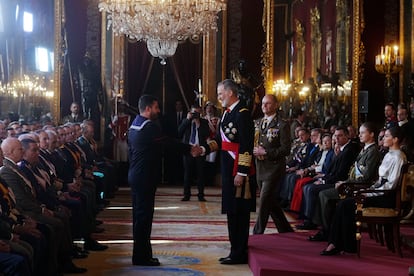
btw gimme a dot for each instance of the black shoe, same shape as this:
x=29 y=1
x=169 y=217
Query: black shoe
x=320 y=236
x=201 y=198
x=93 y=245
x=98 y=222
x=150 y=262
x=186 y=198
x=223 y=258
x=332 y=252
x=307 y=226
x=231 y=261
x=71 y=268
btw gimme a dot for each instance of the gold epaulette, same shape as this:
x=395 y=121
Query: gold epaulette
x=243 y=109
x=245 y=159
x=213 y=145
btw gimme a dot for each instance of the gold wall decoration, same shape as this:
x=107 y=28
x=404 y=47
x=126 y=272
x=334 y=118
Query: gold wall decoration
x=355 y=54
x=300 y=50
x=358 y=56
x=267 y=54
x=342 y=39
x=316 y=38
x=58 y=55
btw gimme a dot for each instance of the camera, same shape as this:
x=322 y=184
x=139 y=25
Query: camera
x=195 y=115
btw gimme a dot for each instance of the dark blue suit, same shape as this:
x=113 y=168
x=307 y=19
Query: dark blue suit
x=194 y=164
x=145 y=145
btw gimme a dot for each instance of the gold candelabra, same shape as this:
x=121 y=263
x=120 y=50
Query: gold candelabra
x=388 y=62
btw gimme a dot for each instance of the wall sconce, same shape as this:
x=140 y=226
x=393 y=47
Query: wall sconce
x=388 y=62
x=326 y=89
x=280 y=89
x=304 y=92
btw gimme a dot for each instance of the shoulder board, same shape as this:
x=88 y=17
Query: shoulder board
x=243 y=109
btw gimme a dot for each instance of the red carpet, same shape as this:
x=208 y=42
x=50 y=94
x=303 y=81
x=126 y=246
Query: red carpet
x=291 y=254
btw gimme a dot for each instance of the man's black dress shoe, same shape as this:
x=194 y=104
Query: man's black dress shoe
x=332 y=252
x=201 y=198
x=150 y=262
x=307 y=226
x=186 y=198
x=318 y=237
x=224 y=258
x=93 y=245
x=230 y=261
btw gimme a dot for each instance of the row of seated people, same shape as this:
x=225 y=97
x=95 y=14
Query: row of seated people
x=319 y=167
x=50 y=194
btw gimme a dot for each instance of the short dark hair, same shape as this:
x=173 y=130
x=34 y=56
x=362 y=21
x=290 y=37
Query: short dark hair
x=146 y=100
x=391 y=104
x=26 y=143
x=344 y=129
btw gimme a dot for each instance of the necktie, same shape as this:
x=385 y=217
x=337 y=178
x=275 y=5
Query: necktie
x=264 y=124
x=193 y=133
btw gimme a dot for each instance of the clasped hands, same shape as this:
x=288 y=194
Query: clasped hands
x=196 y=151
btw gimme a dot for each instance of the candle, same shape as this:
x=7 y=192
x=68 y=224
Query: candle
x=199 y=86
x=397 y=60
x=382 y=50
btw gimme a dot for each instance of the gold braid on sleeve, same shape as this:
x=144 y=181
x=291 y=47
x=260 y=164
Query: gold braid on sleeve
x=245 y=159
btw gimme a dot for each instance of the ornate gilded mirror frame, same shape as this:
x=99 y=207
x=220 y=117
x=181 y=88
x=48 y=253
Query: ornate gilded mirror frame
x=358 y=52
x=358 y=56
x=59 y=19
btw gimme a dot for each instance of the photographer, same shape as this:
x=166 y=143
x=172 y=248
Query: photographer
x=194 y=130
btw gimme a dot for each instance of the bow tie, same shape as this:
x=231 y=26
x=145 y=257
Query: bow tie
x=228 y=110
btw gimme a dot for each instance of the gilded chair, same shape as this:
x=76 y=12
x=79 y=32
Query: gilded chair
x=382 y=221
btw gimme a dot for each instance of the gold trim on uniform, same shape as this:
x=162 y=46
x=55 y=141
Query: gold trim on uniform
x=243 y=109
x=245 y=159
x=213 y=145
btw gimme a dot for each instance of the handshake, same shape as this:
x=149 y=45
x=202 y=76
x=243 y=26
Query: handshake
x=197 y=150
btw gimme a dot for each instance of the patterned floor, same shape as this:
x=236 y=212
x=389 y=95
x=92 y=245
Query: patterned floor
x=187 y=237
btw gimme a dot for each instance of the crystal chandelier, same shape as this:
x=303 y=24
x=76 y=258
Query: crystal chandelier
x=162 y=23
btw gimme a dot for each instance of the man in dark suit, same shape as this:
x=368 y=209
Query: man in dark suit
x=75 y=115
x=272 y=145
x=194 y=130
x=337 y=171
x=238 y=187
x=145 y=145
